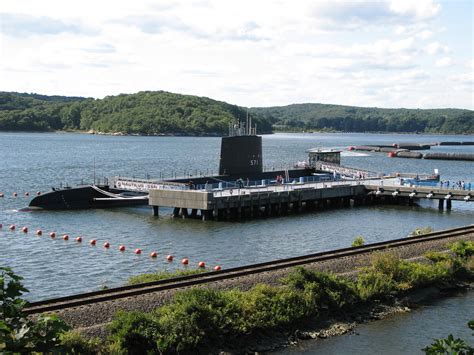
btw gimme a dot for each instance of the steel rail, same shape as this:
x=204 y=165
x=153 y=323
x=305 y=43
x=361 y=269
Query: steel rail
x=214 y=276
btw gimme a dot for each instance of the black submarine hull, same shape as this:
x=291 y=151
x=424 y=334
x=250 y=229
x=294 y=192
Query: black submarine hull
x=81 y=197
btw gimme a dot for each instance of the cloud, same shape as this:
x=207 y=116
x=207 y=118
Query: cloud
x=101 y=48
x=444 y=62
x=153 y=24
x=436 y=48
x=19 y=25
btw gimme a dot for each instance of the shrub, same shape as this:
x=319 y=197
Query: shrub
x=325 y=290
x=421 y=231
x=74 y=343
x=389 y=264
x=436 y=256
x=373 y=284
x=133 y=331
x=17 y=332
x=463 y=249
x=358 y=241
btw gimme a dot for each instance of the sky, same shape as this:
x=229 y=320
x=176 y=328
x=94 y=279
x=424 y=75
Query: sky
x=383 y=53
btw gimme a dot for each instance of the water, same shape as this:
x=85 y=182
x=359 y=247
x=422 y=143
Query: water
x=405 y=333
x=36 y=162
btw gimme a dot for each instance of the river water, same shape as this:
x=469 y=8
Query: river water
x=31 y=162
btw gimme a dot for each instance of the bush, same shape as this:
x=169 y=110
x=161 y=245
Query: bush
x=358 y=241
x=463 y=249
x=372 y=284
x=17 y=332
x=74 y=343
x=389 y=264
x=325 y=290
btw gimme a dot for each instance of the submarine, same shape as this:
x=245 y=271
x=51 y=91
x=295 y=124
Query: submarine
x=240 y=159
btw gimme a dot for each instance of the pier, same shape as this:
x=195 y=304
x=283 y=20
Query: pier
x=280 y=199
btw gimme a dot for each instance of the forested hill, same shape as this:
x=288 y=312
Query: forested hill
x=156 y=112
x=159 y=112
x=365 y=119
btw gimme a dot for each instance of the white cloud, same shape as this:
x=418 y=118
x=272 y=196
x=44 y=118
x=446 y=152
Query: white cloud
x=444 y=62
x=436 y=48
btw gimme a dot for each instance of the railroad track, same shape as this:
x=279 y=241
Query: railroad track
x=214 y=276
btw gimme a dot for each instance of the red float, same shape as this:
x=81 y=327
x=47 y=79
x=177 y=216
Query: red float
x=122 y=248
x=138 y=251
x=153 y=254
x=12 y=227
x=202 y=264
x=52 y=235
x=185 y=261
x=79 y=239
x=1 y=226
x=38 y=193
x=1 y=194
x=15 y=194
x=351 y=148
x=217 y=268
x=106 y=245
x=39 y=232
x=65 y=237
x=392 y=154
x=27 y=194
x=24 y=229
x=93 y=242
x=169 y=258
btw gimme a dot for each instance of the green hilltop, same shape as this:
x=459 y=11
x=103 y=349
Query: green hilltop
x=160 y=112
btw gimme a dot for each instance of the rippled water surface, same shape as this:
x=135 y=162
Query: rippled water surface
x=36 y=162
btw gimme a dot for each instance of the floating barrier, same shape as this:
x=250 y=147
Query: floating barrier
x=24 y=229
x=1 y=226
x=79 y=239
x=12 y=227
x=138 y=251
x=185 y=261
x=169 y=258
x=450 y=156
x=52 y=235
x=408 y=154
x=38 y=193
x=217 y=268
x=1 y=194
x=93 y=242
x=413 y=146
x=15 y=194
x=27 y=194
x=202 y=264
x=122 y=248
x=107 y=245
x=39 y=232
x=153 y=254
x=65 y=237
x=449 y=143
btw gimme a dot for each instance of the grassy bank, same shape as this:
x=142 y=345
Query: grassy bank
x=211 y=320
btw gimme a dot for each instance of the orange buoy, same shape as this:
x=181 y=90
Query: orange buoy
x=12 y=227
x=93 y=242
x=153 y=254
x=351 y=148
x=122 y=248
x=106 y=245
x=79 y=239
x=392 y=154
x=38 y=193
x=217 y=268
x=27 y=194
x=138 y=251
x=39 y=232
x=169 y=258
x=202 y=264
x=185 y=261
x=15 y=194
x=24 y=229
x=52 y=235
x=65 y=237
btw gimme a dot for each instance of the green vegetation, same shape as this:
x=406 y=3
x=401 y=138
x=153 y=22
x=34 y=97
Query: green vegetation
x=147 y=113
x=421 y=231
x=208 y=320
x=450 y=346
x=18 y=334
x=162 y=275
x=358 y=241
x=159 y=112
x=321 y=117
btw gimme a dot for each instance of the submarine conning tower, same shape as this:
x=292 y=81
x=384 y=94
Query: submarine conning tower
x=241 y=151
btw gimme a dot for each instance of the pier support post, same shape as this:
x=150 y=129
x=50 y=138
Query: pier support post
x=155 y=210
x=441 y=204
x=194 y=213
x=176 y=212
x=184 y=212
x=448 y=204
